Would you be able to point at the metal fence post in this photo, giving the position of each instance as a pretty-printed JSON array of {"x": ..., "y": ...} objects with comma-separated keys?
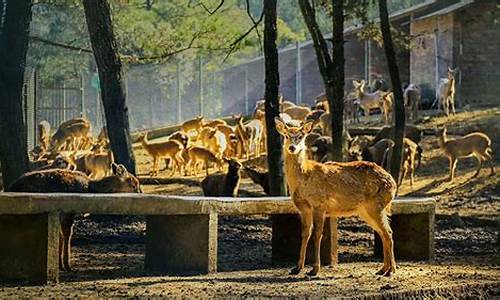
[
  {"x": 298, "y": 75},
  {"x": 82, "y": 91},
  {"x": 200, "y": 86},
  {"x": 64, "y": 101},
  {"x": 179, "y": 103},
  {"x": 246, "y": 90}
]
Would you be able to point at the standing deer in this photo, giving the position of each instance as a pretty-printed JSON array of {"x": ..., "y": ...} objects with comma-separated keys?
[
  {"x": 367, "y": 101},
  {"x": 336, "y": 189},
  {"x": 171, "y": 149},
  {"x": 412, "y": 97},
  {"x": 67, "y": 181},
  {"x": 194, "y": 124},
  {"x": 446, "y": 97},
  {"x": 475, "y": 144},
  {"x": 71, "y": 132}
]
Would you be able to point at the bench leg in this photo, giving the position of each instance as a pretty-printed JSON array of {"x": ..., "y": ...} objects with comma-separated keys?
[
  {"x": 29, "y": 248},
  {"x": 286, "y": 240},
  {"x": 413, "y": 236},
  {"x": 181, "y": 244}
]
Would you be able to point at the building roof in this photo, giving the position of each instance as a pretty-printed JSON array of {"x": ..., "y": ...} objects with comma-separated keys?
[{"x": 449, "y": 9}]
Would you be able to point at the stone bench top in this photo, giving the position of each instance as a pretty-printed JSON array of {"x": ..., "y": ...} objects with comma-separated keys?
[{"x": 150, "y": 204}]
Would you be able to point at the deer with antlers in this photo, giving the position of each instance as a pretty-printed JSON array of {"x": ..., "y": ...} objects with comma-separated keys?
[{"x": 321, "y": 190}]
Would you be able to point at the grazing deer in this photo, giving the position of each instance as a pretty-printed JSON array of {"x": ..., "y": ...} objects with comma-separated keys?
[
  {"x": 367, "y": 101},
  {"x": 70, "y": 132},
  {"x": 198, "y": 156},
  {"x": 446, "y": 88},
  {"x": 194, "y": 124},
  {"x": 475, "y": 144},
  {"x": 171, "y": 149},
  {"x": 336, "y": 189},
  {"x": 412, "y": 97},
  {"x": 67, "y": 181}
]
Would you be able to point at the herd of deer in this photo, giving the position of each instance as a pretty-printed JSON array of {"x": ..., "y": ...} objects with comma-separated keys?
[{"x": 71, "y": 160}]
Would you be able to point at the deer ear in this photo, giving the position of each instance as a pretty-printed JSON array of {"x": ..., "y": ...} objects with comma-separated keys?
[
  {"x": 355, "y": 83},
  {"x": 307, "y": 127},
  {"x": 280, "y": 126}
]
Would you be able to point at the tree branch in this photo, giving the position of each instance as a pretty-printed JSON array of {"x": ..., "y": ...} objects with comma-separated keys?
[
  {"x": 249, "y": 13},
  {"x": 213, "y": 11},
  {"x": 57, "y": 44}
]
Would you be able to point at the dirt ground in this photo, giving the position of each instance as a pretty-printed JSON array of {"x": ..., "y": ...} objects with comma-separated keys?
[{"x": 109, "y": 251}]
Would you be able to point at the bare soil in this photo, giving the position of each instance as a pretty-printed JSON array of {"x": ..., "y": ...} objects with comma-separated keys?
[{"x": 108, "y": 251}]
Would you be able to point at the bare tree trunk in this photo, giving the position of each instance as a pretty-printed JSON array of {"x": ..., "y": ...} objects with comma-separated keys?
[
  {"x": 275, "y": 163},
  {"x": 333, "y": 76},
  {"x": 337, "y": 103},
  {"x": 13, "y": 48},
  {"x": 399, "y": 109},
  {"x": 98, "y": 16}
]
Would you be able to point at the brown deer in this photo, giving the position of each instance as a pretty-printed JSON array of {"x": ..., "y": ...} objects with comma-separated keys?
[
  {"x": 412, "y": 98},
  {"x": 408, "y": 161},
  {"x": 199, "y": 155},
  {"x": 223, "y": 185},
  {"x": 386, "y": 103},
  {"x": 194, "y": 124},
  {"x": 71, "y": 132},
  {"x": 298, "y": 113},
  {"x": 336, "y": 189},
  {"x": 44, "y": 135},
  {"x": 475, "y": 144},
  {"x": 98, "y": 164},
  {"x": 67, "y": 181},
  {"x": 171, "y": 149},
  {"x": 367, "y": 101},
  {"x": 446, "y": 88}
]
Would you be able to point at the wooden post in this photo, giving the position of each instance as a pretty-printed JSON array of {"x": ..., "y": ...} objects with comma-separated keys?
[
  {"x": 298, "y": 75},
  {"x": 178, "y": 85}
]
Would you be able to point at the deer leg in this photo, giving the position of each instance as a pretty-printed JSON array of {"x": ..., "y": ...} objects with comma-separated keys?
[
  {"x": 319, "y": 222},
  {"x": 453, "y": 165},
  {"x": 67, "y": 232},
  {"x": 452, "y": 103},
  {"x": 479, "y": 165},
  {"x": 155, "y": 165},
  {"x": 379, "y": 222},
  {"x": 306, "y": 221}
]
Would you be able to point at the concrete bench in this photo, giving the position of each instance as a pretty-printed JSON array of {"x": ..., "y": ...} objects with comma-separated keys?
[{"x": 181, "y": 232}]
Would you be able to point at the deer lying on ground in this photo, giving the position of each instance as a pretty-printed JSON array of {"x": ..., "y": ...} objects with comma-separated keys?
[
  {"x": 192, "y": 125},
  {"x": 169, "y": 149},
  {"x": 198, "y": 156},
  {"x": 474, "y": 144},
  {"x": 71, "y": 132},
  {"x": 412, "y": 98},
  {"x": 367, "y": 101},
  {"x": 67, "y": 181},
  {"x": 60, "y": 162},
  {"x": 223, "y": 185},
  {"x": 446, "y": 88},
  {"x": 336, "y": 189}
]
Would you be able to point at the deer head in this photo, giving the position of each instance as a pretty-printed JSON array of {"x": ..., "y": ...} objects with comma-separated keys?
[
  {"x": 452, "y": 73},
  {"x": 294, "y": 136}
]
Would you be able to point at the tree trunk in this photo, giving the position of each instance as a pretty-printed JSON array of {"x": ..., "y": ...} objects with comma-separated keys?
[
  {"x": 104, "y": 46},
  {"x": 332, "y": 75},
  {"x": 399, "y": 109},
  {"x": 2, "y": 10},
  {"x": 13, "y": 48},
  {"x": 275, "y": 163},
  {"x": 337, "y": 101}
]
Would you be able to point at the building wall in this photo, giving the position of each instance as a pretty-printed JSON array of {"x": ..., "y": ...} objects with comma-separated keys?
[
  {"x": 423, "y": 52},
  {"x": 477, "y": 53}
]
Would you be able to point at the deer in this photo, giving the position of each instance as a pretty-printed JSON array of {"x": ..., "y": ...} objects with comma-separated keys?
[
  {"x": 68, "y": 181},
  {"x": 171, "y": 149},
  {"x": 386, "y": 103},
  {"x": 198, "y": 155},
  {"x": 213, "y": 140},
  {"x": 408, "y": 160},
  {"x": 298, "y": 113},
  {"x": 321, "y": 190},
  {"x": 214, "y": 123},
  {"x": 193, "y": 125},
  {"x": 249, "y": 134},
  {"x": 44, "y": 135},
  {"x": 475, "y": 144},
  {"x": 412, "y": 98},
  {"x": 98, "y": 164},
  {"x": 367, "y": 101},
  {"x": 223, "y": 185},
  {"x": 69, "y": 132},
  {"x": 446, "y": 89}
]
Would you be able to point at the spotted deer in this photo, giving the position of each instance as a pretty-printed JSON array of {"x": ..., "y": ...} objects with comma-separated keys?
[
  {"x": 68, "y": 181},
  {"x": 321, "y": 190}
]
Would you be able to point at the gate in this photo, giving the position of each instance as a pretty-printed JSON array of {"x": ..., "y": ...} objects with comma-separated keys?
[{"x": 60, "y": 102}]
